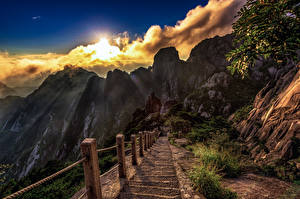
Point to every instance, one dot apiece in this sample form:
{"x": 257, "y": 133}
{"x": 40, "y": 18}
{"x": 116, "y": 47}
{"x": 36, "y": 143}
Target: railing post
{"x": 152, "y": 138}
{"x": 91, "y": 168}
{"x": 148, "y": 141}
{"x": 133, "y": 150}
{"x": 121, "y": 155}
{"x": 153, "y": 135}
{"x": 141, "y": 144}
{"x": 145, "y": 141}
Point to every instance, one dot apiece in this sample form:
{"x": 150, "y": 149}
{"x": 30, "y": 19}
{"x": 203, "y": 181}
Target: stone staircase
{"x": 155, "y": 177}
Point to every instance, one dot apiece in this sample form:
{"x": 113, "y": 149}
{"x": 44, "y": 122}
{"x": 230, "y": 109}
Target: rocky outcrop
{"x": 221, "y": 94}
{"x": 153, "y": 104}
{"x": 272, "y": 130}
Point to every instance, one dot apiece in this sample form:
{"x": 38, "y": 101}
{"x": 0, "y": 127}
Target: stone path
{"x": 155, "y": 177}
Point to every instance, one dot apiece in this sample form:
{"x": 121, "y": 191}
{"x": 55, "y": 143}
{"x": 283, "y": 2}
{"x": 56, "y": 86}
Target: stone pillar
{"x": 145, "y": 140}
{"x": 149, "y": 141}
{"x": 91, "y": 168}
{"x": 121, "y": 155}
{"x": 133, "y": 150}
{"x": 141, "y": 144}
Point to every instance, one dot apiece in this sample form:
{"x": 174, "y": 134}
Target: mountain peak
{"x": 169, "y": 54}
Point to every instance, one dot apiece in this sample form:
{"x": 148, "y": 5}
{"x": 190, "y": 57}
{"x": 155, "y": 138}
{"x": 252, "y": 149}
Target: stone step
{"x": 155, "y": 172}
{"x": 158, "y": 168}
{"x": 126, "y": 195}
{"x": 162, "y": 191}
{"x": 158, "y": 158}
{"x": 171, "y": 184}
{"x": 156, "y": 164}
{"x": 162, "y": 155}
{"x": 154, "y": 158}
{"x": 155, "y": 177}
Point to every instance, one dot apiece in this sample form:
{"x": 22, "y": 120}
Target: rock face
{"x": 6, "y": 91}
{"x": 9, "y": 105}
{"x": 167, "y": 106}
{"x": 69, "y": 106}
{"x": 153, "y": 104}
{"x": 272, "y": 130}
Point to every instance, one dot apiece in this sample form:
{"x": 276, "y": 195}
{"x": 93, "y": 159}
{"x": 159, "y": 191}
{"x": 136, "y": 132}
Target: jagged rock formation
{"x": 69, "y": 106}
{"x": 6, "y": 91}
{"x": 272, "y": 130}
{"x": 153, "y": 104}
{"x": 221, "y": 94}
{"x": 73, "y": 104}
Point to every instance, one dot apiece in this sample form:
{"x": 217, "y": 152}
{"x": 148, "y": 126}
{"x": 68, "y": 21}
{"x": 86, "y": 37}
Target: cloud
{"x": 36, "y": 18}
{"x": 127, "y": 53}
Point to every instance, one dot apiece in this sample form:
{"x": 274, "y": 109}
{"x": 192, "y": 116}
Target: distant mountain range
{"x": 6, "y": 91}
{"x": 15, "y": 91}
{"x": 73, "y": 104}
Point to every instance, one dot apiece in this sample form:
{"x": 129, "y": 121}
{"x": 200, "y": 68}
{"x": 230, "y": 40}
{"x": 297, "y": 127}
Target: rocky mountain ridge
{"x": 73, "y": 104}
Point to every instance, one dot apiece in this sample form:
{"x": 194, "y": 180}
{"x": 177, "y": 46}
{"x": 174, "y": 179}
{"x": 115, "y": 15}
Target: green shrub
{"x": 178, "y": 124}
{"x": 207, "y": 181}
{"x": 223, "y": 161}
{"x": 242, "y": 113}
{"x": 199, "y": 134}
{"x": 283, "y": 170}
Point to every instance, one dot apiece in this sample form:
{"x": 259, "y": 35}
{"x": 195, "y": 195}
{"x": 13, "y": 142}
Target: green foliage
{"x": 207, "y": 129}
{"x": 199, "y": 134}
{"x": 207, "y": 181}
{"x": 3, "y": 170}
{"x": 178, "y": 124}
{"x": 175, "y": 109}
{"x": 63, "y": 186}
{"x": 224, "y": 161}
{"x": 242, "y": 113}
{"x": 283, "y": 170}
{"x": 265, "y": 29}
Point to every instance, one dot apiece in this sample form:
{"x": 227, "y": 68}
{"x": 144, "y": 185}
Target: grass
{"x": 224, "y": 161}
{"x": 213, "y": 165}
{"x": 207, "y": 181}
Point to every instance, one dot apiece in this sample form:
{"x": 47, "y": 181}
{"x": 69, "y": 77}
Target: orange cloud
{"x": 122, "y": 52}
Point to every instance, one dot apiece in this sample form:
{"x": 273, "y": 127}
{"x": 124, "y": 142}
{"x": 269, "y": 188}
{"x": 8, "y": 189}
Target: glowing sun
{"x": 102, "y": 50}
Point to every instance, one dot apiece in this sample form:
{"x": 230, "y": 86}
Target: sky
{"x": 41, "y": 26}
{"x": 41, "y": 37}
